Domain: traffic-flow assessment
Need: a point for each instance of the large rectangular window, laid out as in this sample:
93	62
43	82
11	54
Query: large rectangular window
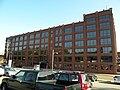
78	36
104	32
106	49
67	51
92	19
104	17
92	50
92	58
68	58
91	42
91	34
68	30
105	25
78	28
90	27
68	37
44	34
79	58
37	35
31	42
79	51
31	36
105	41
106	59
79	43
68	44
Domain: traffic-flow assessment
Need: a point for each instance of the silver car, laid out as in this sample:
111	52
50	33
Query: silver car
116	79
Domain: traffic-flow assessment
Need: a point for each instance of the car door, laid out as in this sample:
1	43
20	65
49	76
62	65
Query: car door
29	81
15	81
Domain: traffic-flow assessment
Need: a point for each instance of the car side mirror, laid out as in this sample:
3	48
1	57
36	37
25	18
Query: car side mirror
13	76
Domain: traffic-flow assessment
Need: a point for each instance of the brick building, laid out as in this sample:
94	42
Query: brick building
89	45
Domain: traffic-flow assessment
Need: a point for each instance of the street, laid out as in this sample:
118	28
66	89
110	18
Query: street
104	85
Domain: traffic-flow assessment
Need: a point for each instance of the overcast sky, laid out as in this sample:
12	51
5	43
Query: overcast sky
22	16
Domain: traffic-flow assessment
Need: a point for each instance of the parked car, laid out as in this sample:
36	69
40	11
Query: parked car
1	70
40	80
8	71
116	79
92	77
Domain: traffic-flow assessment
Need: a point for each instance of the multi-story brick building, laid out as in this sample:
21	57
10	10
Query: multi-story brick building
89	45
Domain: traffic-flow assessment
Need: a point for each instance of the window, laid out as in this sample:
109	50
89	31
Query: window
60	32
56	38
20	43
44	34
31	36
68	44
106	59
30	77
79	51
92	58
91	42
17	38
25	37
106	49
105	41
46	40
91	34
25	42
105	33
78	28
68	37
68	30
37	35
37	41
20	75
79	43
56	32
79	58
104	17
90	19
105	25
92	50
16	44
68	58
78	36
67	51
21	38
60	38
31	42
63	77
90	27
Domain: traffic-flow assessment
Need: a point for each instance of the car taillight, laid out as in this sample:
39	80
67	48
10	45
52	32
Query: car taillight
65	89
86	86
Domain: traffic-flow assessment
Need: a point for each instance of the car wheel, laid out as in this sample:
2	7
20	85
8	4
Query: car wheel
4	87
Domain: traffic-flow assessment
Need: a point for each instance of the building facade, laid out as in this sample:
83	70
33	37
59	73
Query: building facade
88	46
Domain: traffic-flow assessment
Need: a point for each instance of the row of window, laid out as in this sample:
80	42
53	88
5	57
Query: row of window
67	37
69	51
67	30
102	17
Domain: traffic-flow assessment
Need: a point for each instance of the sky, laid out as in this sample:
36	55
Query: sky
22	16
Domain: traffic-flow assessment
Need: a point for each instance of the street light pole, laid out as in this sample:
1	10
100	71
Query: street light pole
52	58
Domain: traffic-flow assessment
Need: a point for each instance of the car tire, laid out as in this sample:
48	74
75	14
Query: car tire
4	87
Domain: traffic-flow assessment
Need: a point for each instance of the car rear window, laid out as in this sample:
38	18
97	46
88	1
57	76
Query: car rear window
85	79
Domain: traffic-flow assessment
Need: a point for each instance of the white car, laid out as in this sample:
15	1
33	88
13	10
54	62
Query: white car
116	79
9	71
1	70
